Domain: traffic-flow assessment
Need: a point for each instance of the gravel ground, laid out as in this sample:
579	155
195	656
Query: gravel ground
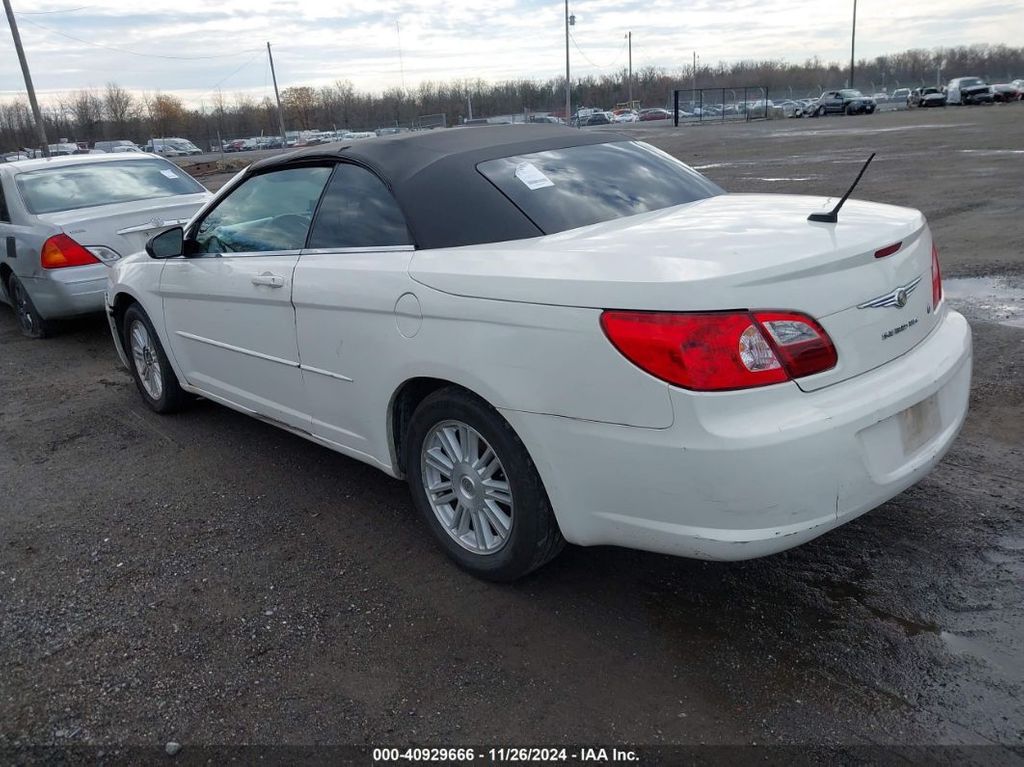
208	579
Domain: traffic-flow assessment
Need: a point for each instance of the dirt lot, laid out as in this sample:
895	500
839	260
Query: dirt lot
206	578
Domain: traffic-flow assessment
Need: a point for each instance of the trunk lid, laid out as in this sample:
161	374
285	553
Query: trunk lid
733	251
125	227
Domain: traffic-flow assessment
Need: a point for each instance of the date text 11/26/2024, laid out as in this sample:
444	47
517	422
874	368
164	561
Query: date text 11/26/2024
498	755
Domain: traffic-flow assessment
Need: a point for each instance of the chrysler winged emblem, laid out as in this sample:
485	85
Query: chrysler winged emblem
896	298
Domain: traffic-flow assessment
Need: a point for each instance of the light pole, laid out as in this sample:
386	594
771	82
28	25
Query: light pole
853	40
277	95
629	87
569	20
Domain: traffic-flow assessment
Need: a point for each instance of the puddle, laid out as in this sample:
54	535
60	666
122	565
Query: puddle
991	151
997	299
784	178
839	591
959	644
860	131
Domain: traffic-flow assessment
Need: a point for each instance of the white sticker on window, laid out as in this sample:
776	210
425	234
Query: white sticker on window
169	173
532	176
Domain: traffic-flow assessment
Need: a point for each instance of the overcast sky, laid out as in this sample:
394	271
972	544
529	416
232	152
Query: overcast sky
316	42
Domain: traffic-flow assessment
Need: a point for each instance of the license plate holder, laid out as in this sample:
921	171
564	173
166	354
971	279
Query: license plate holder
919	424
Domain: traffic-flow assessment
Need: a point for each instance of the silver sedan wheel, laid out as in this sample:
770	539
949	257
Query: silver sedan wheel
22	307
467	487
147	364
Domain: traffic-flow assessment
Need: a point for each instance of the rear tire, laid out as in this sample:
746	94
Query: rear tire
153	374
476	487
30	322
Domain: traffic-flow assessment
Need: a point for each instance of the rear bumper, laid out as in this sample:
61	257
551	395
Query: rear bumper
68	292
744	474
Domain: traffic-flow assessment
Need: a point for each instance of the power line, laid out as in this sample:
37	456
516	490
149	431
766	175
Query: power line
59	10
233	72
135	53
587	58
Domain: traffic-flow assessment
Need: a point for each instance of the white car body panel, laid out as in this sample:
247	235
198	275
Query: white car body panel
626	459
745	474
233	331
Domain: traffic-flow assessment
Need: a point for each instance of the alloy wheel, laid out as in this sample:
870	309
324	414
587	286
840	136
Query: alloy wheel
147	363
22	307
467	487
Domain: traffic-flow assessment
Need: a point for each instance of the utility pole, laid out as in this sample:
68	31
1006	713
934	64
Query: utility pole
693	95
568	82
629	43
44	146
853	40
469	103
280	112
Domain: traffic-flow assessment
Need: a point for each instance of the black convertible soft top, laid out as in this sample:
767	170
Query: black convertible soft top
433	175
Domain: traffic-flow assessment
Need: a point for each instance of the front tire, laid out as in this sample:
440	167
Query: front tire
476	487
820	112
30	322
153	374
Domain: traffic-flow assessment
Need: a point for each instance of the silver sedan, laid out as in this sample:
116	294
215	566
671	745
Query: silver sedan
64	220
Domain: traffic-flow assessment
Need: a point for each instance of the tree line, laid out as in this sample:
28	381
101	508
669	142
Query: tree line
117	113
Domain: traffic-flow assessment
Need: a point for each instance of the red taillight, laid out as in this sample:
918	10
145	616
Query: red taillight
936	278
717	351
60	251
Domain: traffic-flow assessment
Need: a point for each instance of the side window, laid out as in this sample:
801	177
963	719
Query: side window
268	212
358	211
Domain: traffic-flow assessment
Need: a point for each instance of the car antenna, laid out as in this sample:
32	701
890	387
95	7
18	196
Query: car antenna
833	215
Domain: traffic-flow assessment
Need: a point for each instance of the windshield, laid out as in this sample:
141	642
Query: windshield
567	188
969	81
70	187
851	94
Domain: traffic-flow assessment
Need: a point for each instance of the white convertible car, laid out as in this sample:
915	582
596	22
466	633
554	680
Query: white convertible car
558	335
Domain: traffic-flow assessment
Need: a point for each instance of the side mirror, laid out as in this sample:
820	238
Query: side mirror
169	244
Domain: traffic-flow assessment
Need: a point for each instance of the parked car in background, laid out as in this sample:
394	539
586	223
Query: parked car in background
118	145
845	101
654	113
968	90
540	333
598	118
67	219
789	107
626	116
1007	92
929	96
172	147
64	149
900	96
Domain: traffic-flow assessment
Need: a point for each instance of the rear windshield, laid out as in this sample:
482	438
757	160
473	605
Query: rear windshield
70	187
567	188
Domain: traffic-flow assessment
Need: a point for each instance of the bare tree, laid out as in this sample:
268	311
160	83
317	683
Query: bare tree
120	107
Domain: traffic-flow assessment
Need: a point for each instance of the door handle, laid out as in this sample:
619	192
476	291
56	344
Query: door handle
268	279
